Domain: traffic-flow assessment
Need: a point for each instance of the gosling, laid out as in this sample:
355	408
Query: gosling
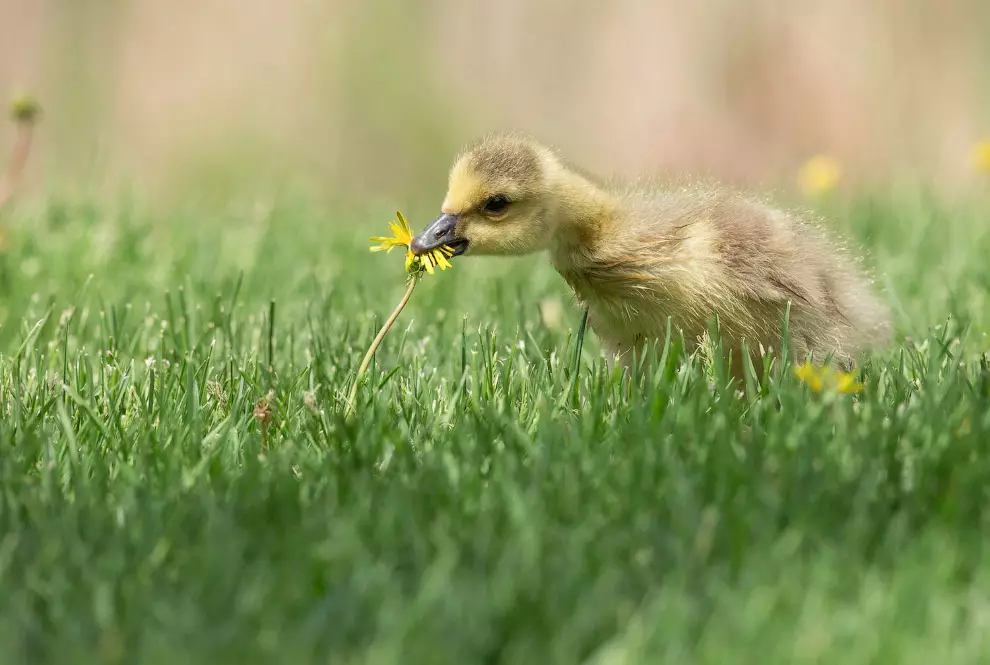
637	256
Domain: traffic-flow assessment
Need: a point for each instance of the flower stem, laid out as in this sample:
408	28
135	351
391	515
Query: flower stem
352	398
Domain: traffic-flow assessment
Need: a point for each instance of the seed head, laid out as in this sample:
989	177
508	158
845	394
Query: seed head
263	410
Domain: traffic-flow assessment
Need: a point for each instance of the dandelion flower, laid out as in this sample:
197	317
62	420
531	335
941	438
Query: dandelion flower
402	237
819	175
415	267
809	374
981	156
821	378
846	383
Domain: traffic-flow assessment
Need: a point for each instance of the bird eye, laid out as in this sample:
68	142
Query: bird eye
496	205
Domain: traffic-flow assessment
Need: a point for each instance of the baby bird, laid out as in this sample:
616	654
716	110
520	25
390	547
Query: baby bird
635	255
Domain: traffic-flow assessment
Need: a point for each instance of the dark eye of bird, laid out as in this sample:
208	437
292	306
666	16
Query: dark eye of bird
497	204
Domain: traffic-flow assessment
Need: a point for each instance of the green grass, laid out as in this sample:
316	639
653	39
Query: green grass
478	510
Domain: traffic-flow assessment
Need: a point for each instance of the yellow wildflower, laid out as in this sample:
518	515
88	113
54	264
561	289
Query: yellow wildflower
819	175
820	378
402	237
981	156
809	374
846	383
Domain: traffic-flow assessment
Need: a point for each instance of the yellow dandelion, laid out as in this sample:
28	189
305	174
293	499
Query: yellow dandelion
402	237
819	175
810	375
980	157
822	378
846	383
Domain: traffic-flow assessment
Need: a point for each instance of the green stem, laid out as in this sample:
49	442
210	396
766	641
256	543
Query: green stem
575	390
352	398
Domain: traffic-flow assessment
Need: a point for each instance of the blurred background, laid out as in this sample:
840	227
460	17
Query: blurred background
370	98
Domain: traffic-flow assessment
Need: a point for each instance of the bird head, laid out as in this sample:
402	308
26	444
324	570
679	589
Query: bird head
501	199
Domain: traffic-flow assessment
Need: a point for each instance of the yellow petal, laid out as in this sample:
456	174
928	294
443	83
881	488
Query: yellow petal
425	260
441	260
402	236
809	375
404	223
805	372
400	229
849	384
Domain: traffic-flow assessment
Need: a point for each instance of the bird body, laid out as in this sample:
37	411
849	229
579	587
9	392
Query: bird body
639	255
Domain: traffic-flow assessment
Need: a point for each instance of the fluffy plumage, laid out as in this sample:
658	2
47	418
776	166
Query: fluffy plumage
638	254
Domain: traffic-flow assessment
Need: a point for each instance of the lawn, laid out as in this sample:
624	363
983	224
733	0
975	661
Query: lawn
487	504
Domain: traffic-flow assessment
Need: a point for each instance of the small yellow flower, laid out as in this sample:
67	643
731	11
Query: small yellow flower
981	156
819	175
846	383
402	237
820	378
809	374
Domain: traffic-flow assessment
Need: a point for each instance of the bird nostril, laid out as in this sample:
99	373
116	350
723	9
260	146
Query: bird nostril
439	233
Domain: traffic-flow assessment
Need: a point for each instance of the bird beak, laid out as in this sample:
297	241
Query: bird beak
441	231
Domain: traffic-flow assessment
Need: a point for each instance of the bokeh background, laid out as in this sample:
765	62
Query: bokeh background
370	98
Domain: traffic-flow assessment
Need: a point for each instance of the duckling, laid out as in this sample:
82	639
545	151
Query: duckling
637	254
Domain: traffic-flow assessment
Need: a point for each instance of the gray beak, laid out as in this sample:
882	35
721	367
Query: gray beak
441	231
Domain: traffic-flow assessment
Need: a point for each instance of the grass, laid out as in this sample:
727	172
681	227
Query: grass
488	505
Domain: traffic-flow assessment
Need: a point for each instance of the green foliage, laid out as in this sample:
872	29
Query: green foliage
489	504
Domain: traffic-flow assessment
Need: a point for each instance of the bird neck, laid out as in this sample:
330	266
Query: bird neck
584	216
